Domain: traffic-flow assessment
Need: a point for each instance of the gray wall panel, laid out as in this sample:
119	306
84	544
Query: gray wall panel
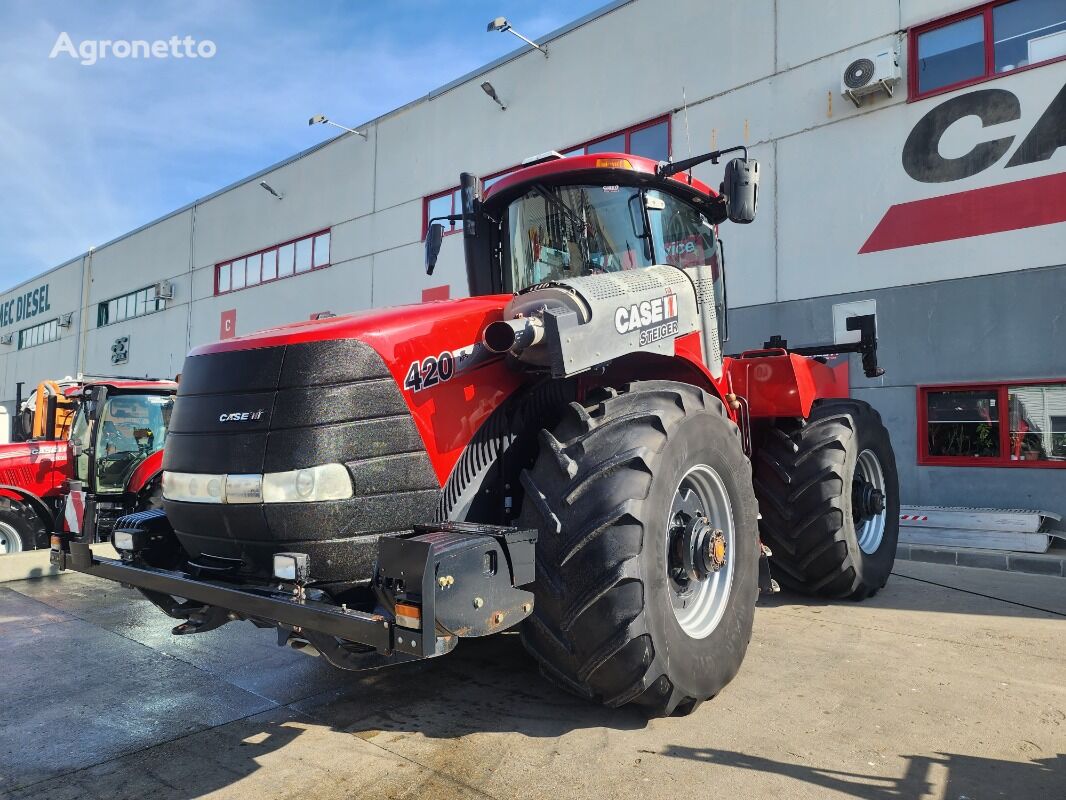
992	327
976	329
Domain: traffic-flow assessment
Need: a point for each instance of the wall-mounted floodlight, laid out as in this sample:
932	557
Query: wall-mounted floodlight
491	92
320	119
271	189
502	25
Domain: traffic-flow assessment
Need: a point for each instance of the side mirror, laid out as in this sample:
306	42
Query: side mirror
741	185
434	237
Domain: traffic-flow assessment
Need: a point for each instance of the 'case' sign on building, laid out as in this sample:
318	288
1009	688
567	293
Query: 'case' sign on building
24	306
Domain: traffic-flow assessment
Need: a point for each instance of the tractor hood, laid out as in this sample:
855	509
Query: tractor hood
390	397
403	337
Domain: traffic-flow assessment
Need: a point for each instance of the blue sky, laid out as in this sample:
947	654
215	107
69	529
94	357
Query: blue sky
90	152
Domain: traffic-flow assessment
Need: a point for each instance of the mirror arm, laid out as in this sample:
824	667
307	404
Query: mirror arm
449	217
668	168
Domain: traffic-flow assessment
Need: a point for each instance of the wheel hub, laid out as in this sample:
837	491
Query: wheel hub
869	501
698	551
701	538
866	500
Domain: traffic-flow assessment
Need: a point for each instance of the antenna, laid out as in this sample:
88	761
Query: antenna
688	134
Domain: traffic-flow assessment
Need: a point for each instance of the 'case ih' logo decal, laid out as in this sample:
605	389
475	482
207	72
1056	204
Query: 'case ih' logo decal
991	209
655	319
241	416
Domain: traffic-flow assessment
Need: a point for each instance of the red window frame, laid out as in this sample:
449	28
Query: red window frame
1002	402
307	236
626	132
983	10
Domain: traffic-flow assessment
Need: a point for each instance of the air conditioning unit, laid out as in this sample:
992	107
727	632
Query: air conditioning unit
869	75
7	338
164	290
65	320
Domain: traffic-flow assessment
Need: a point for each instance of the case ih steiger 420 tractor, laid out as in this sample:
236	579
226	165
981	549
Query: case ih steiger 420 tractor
79	474
566	452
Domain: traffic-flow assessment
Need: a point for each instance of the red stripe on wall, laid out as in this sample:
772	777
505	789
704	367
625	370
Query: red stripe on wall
992	209
436	293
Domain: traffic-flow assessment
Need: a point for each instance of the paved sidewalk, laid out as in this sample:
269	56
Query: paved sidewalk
930	689
1053	562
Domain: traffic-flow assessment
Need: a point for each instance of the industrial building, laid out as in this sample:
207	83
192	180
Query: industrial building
913	165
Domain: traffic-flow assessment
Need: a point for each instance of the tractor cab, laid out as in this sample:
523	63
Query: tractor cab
559	218
118	426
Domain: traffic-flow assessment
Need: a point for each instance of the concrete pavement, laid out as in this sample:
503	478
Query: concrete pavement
931	689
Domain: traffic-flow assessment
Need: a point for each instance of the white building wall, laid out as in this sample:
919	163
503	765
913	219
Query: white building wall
765	73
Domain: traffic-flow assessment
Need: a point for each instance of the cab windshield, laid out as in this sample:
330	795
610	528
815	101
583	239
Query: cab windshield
132	427
559	232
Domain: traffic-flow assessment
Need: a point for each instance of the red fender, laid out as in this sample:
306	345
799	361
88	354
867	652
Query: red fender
145	472
31	499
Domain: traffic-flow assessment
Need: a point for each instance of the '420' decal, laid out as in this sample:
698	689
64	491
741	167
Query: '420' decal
430	371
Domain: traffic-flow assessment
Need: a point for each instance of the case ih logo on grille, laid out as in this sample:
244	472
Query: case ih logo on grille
655	319
242	416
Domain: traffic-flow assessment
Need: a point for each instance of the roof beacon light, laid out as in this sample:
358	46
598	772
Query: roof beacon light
551	155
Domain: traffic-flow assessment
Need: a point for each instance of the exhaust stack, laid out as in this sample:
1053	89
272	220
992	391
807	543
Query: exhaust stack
514	335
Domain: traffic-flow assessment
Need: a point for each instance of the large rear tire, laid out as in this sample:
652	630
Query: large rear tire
829	498
647	561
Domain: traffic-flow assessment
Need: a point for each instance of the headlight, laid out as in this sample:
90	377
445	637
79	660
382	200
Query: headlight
309	485
324	482
188	487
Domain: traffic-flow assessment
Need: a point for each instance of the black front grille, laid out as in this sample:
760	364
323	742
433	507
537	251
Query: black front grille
306	404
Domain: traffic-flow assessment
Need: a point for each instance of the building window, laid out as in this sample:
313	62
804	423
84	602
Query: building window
985	42
996	425
134	304
649	139
280	261
39	334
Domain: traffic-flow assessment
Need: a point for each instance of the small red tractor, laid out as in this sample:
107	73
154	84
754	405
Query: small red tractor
79	475
566	452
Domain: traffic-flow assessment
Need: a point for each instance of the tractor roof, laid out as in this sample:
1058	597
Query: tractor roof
134	385
601	167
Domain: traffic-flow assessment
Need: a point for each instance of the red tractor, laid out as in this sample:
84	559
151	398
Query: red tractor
566	452
82	476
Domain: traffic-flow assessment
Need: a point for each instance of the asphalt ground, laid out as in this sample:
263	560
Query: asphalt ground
950	683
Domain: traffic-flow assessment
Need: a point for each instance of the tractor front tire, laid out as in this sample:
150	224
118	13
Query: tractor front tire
21	528
629	494
830	535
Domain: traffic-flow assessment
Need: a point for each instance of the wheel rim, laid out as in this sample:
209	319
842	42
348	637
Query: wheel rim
869	503
701	544
9	539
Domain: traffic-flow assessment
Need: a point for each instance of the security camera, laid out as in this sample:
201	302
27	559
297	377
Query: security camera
317	119
499	24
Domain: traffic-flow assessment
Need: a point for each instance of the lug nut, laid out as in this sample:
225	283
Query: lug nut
527	607
497	618
478	602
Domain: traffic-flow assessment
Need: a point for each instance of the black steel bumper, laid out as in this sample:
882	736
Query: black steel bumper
462	579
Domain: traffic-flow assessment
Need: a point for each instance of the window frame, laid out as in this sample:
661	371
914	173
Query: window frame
276	248
627	133
1002	389
982	10
42	326
159	303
